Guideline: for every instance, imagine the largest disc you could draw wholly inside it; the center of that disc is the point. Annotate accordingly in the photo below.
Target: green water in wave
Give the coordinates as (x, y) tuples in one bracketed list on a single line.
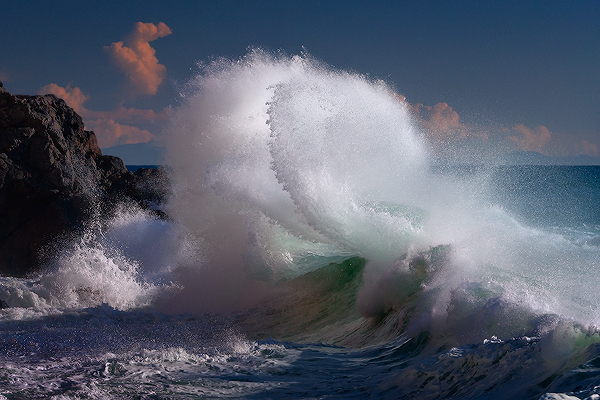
[(321, 306), (315, 307)]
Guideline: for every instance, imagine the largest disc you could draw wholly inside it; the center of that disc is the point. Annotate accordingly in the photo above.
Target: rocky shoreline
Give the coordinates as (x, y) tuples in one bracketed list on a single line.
[(54, 179)]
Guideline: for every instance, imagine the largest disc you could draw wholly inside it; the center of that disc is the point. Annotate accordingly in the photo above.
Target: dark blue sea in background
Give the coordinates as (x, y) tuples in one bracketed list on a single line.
[(134, 168), (531, 193), (315, 250)]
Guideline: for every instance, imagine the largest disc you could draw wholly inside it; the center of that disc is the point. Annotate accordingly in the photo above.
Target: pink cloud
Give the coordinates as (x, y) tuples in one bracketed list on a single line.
[(111, 133), (3, 76), (531, 139), (109, 126), (446, 133), (441, 118), (449, 136), (73, 96), (441, 123), (131, 115), (75, 99), (589, 148), (137, 58)]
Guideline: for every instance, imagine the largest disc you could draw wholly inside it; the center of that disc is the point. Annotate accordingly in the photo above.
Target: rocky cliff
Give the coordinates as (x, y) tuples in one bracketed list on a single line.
[(54, 178)]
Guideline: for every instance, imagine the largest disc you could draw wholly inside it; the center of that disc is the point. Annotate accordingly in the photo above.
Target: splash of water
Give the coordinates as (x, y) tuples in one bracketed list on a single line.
[(278, 160), (127, 265), (282, 164)]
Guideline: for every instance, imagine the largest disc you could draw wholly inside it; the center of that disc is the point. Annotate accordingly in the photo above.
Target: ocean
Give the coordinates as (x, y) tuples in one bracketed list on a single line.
[(317, 249)]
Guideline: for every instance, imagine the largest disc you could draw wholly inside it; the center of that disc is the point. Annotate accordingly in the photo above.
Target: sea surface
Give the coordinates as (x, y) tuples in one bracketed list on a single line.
[(316, 250)]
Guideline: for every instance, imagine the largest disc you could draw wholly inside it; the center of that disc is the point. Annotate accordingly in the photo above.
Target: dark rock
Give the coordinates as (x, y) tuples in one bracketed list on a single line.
[(54, 178)]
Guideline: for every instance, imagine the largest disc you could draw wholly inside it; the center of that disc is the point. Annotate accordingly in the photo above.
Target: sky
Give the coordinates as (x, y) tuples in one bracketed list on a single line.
[(508, 75)]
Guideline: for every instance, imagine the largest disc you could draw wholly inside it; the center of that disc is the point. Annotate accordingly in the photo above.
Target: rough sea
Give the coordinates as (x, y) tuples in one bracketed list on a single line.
[(315, 250)]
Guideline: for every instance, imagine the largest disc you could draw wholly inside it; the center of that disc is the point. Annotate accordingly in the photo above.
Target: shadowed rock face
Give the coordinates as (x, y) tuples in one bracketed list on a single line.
[(54, 178)]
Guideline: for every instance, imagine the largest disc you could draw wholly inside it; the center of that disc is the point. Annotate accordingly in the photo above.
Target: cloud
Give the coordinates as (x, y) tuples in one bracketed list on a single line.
[(111, 133), (73, 96), (441, 121), (440, 117), (451, 139), (3, 76), (111, 127), (75, 99), (442, 124), (132, 115), (531, 139), (137, 59), (589, 148)]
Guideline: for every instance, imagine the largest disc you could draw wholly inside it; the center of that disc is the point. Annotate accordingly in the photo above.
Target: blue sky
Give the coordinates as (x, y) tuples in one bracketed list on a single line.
[(524, 73)]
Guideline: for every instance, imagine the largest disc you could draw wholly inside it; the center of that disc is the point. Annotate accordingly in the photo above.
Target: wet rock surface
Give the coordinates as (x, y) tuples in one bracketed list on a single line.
[(54, 179)]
